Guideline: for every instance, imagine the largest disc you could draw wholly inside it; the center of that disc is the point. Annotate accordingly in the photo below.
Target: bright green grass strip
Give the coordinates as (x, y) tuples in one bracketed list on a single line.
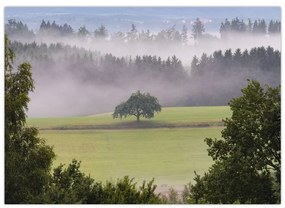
[(169, 155), (175, 116)]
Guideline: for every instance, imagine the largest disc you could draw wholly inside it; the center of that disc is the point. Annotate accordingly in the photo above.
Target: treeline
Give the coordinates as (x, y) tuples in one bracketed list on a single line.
[(257, 27), (55, 29), (218, 77), (264, 59), (168, 35), (211, 80), (14, 28), (98, 67), (52, 52)]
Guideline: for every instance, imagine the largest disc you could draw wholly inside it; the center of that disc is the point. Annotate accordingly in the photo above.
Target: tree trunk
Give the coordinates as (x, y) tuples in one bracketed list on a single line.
[(138, 118)]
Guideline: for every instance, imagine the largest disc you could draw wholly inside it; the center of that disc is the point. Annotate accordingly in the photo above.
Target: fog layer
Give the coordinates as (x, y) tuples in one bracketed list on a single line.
[(83, 80)]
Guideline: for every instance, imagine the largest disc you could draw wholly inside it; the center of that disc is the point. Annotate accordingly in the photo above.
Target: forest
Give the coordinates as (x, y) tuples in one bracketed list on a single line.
[(211, 79)]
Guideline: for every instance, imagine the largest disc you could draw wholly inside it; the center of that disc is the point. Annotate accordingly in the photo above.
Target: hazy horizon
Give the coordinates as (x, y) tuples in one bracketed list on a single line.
[(72, 96)]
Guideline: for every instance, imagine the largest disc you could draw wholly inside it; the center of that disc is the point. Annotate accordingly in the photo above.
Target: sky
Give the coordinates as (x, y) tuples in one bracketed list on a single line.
[(185, 11), (153, 18)]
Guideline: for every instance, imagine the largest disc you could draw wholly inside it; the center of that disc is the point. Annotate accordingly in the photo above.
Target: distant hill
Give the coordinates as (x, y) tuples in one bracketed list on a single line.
[(153, 18)]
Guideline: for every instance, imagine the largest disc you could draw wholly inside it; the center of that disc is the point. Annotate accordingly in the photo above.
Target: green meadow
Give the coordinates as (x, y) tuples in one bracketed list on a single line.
[(169, 147), (168, 117)]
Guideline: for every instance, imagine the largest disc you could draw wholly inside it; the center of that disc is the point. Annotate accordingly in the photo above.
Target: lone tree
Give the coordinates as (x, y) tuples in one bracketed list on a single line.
[(138, 105)]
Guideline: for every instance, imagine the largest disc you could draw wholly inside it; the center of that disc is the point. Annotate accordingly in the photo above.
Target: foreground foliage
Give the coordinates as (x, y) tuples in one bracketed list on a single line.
[(71, 186), (248, 158), (28, 159)]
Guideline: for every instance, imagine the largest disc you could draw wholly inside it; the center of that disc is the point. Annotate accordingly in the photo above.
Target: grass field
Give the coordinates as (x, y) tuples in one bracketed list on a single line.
[(170, 155), (168, 117)]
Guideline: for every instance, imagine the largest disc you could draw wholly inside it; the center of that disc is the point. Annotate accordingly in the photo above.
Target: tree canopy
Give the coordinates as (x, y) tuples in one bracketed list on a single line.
[(139, 104), (248, 159), (27, 158), (198, 29), (101, 32)]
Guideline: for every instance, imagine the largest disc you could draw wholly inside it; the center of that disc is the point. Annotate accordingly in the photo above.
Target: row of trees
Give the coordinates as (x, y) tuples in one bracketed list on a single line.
[(14, 28), (209, 73), (101, 33), (257, 27), (96, 66), (171, 34), (266, 59), (52, 52), (221, 74), (55, 29)]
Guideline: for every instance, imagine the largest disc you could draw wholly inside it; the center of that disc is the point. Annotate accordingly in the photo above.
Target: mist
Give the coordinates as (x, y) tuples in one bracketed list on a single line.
[(61, 93), (66, 85), (165, 49)]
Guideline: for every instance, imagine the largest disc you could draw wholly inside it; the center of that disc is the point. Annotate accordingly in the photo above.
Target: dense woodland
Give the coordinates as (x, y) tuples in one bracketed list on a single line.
[(225, 72), (212, 79)]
